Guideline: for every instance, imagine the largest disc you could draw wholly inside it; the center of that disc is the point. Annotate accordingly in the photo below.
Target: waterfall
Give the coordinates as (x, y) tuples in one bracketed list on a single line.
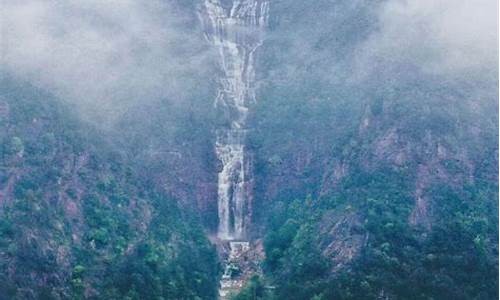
[(235, 28)]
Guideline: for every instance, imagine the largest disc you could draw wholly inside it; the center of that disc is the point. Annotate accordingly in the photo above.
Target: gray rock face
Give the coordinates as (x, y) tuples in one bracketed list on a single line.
[(341, 237)]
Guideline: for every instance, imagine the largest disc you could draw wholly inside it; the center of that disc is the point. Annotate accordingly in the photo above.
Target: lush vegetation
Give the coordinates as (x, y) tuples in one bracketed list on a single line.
[(78, 223), (333, 149), (374, 177), (457, 259)]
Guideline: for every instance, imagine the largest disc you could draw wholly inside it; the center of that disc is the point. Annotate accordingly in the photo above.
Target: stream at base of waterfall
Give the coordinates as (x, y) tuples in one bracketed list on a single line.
[(236, 30), (242, 261)]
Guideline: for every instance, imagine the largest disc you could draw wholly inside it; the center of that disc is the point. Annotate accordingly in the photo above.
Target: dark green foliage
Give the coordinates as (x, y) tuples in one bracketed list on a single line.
[(370, 148), (255, 289), (456, 260), (80, 224)]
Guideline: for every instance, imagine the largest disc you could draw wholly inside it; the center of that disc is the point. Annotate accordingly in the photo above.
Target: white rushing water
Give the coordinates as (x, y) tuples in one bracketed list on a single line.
[(235, 28)]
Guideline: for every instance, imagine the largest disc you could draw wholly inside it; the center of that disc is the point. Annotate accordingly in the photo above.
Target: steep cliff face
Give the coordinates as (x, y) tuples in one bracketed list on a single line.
[(308, 111), (406, 178), (329, 126), (385, 168), (171, 145)]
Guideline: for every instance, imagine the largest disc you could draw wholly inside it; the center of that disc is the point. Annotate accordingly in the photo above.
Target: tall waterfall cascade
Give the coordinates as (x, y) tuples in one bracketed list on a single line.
[(235, 28)]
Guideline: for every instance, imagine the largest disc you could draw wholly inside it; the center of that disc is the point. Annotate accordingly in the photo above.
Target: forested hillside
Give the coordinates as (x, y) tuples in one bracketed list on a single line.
[(382, 186), (79, 223), (249, 149)]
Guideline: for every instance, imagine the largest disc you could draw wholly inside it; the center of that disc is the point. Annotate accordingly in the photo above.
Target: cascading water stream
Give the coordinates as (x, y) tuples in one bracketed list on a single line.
[(235, 28)]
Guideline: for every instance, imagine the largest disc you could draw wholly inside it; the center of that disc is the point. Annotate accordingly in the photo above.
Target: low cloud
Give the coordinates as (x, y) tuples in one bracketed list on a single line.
[(439, 37), (103, 56)]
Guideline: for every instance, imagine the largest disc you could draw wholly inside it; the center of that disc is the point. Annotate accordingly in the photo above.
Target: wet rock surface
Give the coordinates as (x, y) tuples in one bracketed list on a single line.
[(242, 260)]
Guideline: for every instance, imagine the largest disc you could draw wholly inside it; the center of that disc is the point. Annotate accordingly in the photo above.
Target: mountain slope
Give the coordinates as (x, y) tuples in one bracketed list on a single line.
[(77, 222), (374, 183)]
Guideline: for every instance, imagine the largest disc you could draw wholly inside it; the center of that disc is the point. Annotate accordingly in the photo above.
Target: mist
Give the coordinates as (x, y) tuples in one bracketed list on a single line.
[(104, 57), (450, 38)]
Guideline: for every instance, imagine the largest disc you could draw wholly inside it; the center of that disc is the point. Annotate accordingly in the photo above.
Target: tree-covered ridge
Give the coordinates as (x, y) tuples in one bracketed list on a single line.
[(358, 243), (77, 223), (456, 259), (381, 184)]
